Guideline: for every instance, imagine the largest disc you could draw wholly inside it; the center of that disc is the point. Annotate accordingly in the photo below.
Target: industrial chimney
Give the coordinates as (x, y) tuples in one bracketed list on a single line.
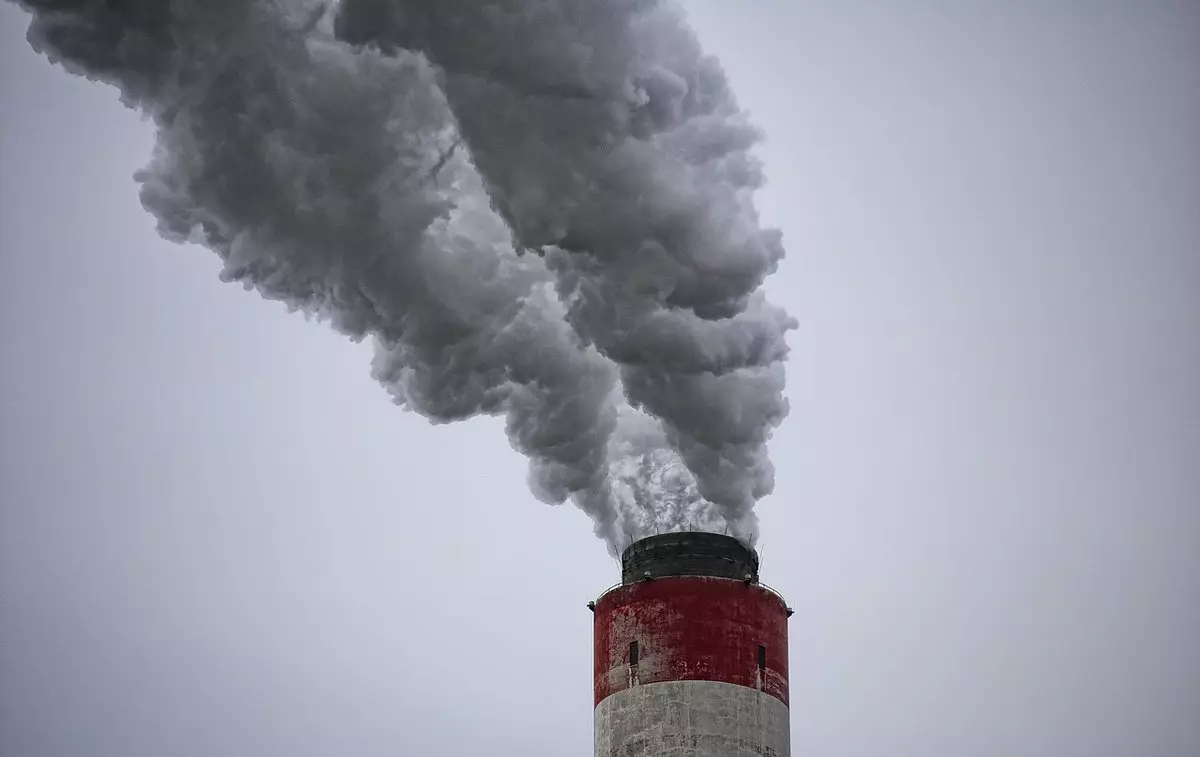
[(691, 653)]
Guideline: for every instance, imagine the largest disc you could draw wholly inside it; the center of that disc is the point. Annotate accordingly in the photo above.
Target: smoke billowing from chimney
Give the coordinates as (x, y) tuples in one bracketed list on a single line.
[(390, 188)]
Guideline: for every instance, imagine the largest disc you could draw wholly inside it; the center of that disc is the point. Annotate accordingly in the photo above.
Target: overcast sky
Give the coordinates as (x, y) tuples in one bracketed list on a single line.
[(218, 537)]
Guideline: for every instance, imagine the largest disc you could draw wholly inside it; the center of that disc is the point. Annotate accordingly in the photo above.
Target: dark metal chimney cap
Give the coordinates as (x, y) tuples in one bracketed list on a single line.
[(688, 553)]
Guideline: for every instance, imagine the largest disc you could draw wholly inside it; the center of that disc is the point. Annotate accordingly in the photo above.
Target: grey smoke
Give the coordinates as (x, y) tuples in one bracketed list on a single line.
[(343, 182), (611, 144)]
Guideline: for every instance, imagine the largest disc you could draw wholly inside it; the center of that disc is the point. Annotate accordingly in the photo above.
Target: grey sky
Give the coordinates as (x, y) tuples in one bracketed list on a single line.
[(218, 537)]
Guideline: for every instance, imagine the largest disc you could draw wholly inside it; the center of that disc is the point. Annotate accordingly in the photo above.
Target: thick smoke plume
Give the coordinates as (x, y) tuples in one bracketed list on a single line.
[(391, 188)]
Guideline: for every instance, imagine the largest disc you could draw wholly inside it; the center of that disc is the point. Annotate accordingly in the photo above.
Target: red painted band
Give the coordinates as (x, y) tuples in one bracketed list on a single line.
[(691, 628)]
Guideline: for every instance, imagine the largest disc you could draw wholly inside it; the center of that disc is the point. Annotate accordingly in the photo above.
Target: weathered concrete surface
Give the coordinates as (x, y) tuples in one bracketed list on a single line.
[(692, 719), (688, 554), (691, 628)]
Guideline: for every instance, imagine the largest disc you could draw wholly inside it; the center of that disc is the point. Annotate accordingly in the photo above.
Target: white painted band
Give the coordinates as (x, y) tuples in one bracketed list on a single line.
[(692, 719)]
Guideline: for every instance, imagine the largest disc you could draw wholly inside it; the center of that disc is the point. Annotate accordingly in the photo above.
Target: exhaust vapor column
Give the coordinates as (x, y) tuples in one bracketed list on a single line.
[(691, 653)]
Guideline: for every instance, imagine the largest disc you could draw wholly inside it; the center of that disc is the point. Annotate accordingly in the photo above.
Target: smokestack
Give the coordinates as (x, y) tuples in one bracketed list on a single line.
[(691, 653)]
